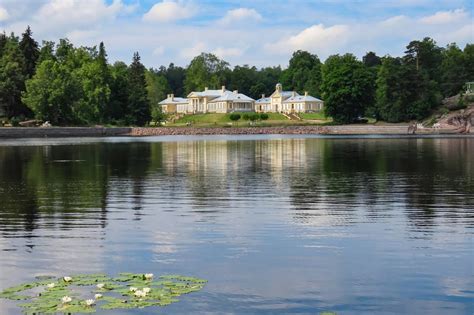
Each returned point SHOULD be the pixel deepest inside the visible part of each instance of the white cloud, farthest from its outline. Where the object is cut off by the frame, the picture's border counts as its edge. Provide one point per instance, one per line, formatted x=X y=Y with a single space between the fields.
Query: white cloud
x=158 y=51
x=223 y=53
x=240 y=15
x=3 y=14
x=314 y=38
x=168 y=11
x=194 y=50
x=75 y=13
x=444 y=17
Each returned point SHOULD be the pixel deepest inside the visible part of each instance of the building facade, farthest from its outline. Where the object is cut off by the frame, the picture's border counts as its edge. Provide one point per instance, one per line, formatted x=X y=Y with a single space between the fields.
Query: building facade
x=225 y=101
x=288 y=102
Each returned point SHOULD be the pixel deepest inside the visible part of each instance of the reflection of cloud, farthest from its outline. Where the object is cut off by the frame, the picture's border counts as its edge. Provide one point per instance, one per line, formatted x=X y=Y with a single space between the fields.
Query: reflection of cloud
x=453 y=286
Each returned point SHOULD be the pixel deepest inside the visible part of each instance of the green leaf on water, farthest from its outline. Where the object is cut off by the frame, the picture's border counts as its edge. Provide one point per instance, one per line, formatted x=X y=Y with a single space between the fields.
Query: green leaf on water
x=116 y=292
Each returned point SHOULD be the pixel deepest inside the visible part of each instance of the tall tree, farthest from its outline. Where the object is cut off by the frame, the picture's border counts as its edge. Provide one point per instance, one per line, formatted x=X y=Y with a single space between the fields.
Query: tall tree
x=303 y=73
x=371 y=59
x=138 y=104
x=157 y=87
x=426 y=56
x=175 y=77
x=206 y=70
x=453 y=70
x=116 y=110
x=243 y=78
x=52 y=93
x=347 y=88
x=469 y=62
x=46 y=52
x=12 y=79
x=30 y=50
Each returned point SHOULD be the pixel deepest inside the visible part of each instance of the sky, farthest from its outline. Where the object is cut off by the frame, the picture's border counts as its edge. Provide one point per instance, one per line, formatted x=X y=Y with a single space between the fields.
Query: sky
x=254 y=32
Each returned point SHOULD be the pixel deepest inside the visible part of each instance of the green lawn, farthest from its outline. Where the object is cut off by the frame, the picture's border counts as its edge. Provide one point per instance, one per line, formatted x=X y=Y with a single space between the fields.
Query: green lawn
x=220 y=119
x=313 y=116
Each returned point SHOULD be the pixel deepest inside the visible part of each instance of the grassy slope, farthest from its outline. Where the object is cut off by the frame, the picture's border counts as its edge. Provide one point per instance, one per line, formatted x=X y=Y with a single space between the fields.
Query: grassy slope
x=212 y=119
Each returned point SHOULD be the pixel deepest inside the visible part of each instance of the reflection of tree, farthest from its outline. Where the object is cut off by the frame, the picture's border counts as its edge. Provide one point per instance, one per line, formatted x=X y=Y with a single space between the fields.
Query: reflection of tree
x=379 y=177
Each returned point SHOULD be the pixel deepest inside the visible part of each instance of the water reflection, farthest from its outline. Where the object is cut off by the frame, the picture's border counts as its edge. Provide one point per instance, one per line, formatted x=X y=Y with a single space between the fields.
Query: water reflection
x=296 y=225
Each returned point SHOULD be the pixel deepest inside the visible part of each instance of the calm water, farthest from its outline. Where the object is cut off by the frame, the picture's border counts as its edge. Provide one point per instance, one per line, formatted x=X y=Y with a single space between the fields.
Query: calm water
x=276 y=224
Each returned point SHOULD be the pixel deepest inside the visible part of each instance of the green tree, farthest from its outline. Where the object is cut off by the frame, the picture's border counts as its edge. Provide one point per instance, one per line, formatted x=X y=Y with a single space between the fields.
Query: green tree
x=371 y=59
x=175 y=77
x=138 y=104
x=52 y=93
x=30 y=50
x=243 y=78
x=206 y=70
x=117 y=108
x=12 y=79
x=157 y=87
x=426 y=56
x=46 y=52
x=469 y=62
x=303 y=73
x=347 y=88
x=453 y=70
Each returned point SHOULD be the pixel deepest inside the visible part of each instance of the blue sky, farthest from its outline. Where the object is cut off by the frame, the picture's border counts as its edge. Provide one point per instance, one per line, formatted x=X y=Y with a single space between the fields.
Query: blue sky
x=261 y=33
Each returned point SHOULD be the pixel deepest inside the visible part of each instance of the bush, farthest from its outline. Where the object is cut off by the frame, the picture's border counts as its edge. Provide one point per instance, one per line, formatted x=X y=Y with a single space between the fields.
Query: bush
x=246 y=116
x=253 y=116
x=234 y=116
x=15 y=121
x=263 y=116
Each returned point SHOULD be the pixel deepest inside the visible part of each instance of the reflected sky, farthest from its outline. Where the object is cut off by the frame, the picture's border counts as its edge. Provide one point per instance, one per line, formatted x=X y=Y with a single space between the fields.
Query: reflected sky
x=277 y=224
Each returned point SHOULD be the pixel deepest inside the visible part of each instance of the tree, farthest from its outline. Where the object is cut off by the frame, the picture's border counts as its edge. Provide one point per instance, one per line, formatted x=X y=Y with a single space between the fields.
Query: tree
x=454 y=72
x=303 y=73
x=30 y=50
x=371 y=59
x=206 y=70
x=347 y=88
x=157 y=87
x=52 y=93
x=46 y=52
x=243 y=78
x=116 y=110
x=12 y=79
x=469 y=62
x=175 y=77
x=138 y=104
x=426 y=56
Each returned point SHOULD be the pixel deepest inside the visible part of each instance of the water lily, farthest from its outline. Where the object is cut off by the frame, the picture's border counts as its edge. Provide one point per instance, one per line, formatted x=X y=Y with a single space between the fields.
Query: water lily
x=146 y=290
x=140 y=293
x=98 y=296
x=66 y=299
x=148 y=276
x=51 y=285
x=100 y=285
x=67 y=279
x=133 y=289
x=89 y=302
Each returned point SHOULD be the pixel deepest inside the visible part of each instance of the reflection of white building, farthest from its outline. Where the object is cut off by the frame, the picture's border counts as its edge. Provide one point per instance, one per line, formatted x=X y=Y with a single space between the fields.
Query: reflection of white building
x=288 y=102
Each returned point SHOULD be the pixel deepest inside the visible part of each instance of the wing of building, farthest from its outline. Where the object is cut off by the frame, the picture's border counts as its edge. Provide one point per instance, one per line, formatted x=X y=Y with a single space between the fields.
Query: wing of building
x=288 y=102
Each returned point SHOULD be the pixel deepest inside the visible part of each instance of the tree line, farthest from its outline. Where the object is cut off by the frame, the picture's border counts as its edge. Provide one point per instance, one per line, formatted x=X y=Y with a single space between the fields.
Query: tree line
x=70 y=85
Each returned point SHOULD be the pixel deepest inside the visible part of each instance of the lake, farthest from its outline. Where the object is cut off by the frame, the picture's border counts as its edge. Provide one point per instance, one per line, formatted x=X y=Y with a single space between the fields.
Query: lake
x=276 y=224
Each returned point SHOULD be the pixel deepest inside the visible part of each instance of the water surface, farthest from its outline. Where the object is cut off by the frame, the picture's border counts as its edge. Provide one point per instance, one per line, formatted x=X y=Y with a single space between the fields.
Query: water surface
x=277 y=224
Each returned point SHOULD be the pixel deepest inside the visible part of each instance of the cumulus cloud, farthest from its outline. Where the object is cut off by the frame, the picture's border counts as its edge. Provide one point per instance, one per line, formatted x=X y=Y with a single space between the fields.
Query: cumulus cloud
x=75 y=15
x=193 y=51
x=240 y=15
x=444 y=17
x=223 y=53
x=3 y=14
x=168 y=11
x=314 y=38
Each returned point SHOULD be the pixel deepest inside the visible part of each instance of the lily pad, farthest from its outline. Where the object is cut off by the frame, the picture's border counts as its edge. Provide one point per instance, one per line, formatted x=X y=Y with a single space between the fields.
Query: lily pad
x=85 y=293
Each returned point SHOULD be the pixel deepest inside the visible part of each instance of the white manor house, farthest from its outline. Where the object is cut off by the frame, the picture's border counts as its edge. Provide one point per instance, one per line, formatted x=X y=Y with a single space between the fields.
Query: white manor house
x=225 y=101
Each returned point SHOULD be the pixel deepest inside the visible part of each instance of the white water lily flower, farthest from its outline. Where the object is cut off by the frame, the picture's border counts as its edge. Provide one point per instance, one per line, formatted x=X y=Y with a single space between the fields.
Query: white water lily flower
x=148 y=276
x=98 y=296
x=51 y=285
x=146 y=290
x=89 y=302
x=66 y=299
x=67 y=279
x=100 y=285
x=140 y=293
x=133 y=289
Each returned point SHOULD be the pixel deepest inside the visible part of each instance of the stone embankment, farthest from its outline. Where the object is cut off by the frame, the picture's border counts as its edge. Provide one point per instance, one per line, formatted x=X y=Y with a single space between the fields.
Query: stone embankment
x=56 y=132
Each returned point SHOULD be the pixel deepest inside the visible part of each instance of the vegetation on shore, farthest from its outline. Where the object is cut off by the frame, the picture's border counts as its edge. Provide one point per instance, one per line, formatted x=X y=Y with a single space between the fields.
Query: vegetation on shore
x=69 y=85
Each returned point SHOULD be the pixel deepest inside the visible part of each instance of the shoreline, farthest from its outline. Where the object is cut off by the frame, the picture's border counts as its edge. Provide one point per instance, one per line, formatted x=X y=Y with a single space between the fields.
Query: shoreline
x=62 y=132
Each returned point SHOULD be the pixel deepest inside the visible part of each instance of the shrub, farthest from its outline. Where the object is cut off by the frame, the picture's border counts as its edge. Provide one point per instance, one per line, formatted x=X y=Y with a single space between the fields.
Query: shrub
x=15 y=121
x=234 y=116
x=263 y=116
x=253 y=116
x=246 y=116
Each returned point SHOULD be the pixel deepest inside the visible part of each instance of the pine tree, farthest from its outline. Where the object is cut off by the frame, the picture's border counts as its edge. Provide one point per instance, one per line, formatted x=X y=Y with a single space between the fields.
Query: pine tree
x=138 y=105
x=30 y=50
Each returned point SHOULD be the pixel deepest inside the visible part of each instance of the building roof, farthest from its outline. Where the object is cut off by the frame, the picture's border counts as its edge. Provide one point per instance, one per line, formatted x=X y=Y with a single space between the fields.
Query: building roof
x=207 y=93
x=232 y=96
x=174 y=100
x=263 y=100
x=302 y=98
